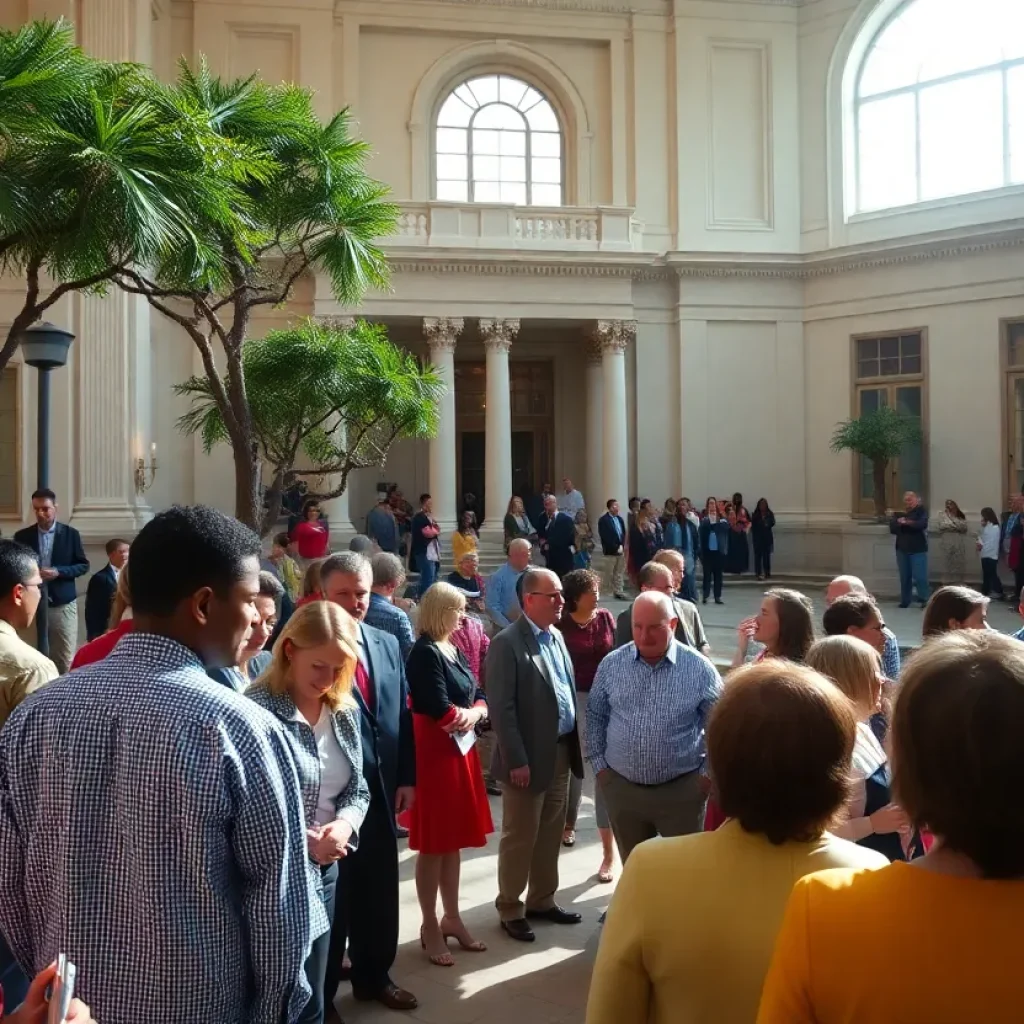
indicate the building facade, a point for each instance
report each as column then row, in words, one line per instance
column 659, row 246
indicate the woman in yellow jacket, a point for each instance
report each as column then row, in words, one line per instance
column 690, row 931
column 937, row 940
column 465, row 539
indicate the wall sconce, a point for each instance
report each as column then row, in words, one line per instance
column 145, row 475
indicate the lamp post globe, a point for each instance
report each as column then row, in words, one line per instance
column 45, row 345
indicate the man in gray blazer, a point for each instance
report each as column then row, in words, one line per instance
column 531, row 696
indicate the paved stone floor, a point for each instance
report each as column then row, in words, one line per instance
column 542, row 983
column 547, row 982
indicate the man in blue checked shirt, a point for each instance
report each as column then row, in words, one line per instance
column 151, row 821
column 500, row 595
column 646, row 718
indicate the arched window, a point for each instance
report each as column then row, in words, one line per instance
column 939, row 103
column 498, row 140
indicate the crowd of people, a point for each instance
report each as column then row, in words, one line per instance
column 215, row 792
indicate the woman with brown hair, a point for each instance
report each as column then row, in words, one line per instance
column 952, row 526
column 779, row 744
column 872, row 820
column 951, row 608
column 785, row 625
column 589, row 634
column 955, row 915
column 308, row 688
column 517, row 522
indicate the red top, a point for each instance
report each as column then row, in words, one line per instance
column 311, row 537
column 588, row 644
column 98, row 649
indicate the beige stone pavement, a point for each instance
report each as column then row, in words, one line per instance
column 542, row 983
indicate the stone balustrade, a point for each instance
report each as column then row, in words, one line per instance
column 501, row 226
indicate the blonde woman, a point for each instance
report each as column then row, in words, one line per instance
column 872, row 819
column 311, row 583
column 120, row 623
column 308, row 687
column 451, row 812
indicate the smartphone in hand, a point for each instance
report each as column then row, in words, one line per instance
column 62, row 992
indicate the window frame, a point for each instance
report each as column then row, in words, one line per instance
column 1009, row 372
column 14, row 369
column 865, row 508
column 1008, row 186
column 545, row 93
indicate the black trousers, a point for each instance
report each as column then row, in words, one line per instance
column 316, row 962
column 990, row 581
column 762, row 561
column 366, row 907
column 712, row 562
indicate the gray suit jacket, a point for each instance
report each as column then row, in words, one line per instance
column 689, row 631
column 523, row 708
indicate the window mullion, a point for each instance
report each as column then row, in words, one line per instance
column 1006, row 127
column 528, row 150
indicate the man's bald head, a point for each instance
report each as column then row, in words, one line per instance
column 674, row 562
column 843, row 585
column 654, row 623
column 542, row 597
column 519, row 554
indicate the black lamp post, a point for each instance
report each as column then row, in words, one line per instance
column 45, row 347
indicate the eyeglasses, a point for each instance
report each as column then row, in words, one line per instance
column 39, row 584
column 556, row 594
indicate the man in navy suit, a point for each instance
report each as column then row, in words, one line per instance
column 100, row 593
column 611, row 529
column 366, row 910
column 61, row 561
column 557, row 534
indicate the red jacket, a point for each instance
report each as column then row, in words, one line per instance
column 312, row 538
column 98, row 649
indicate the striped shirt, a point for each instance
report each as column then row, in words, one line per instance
column 151, row 827
column 646, row 722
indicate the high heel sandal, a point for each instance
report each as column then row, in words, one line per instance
column 473, row 946
column 444, row 959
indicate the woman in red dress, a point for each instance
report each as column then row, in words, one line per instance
column 310, row 536
column 451, row 812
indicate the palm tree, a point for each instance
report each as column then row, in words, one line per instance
column 94, row 175
column 881, row 436
column 338, row 398
column 304, row 203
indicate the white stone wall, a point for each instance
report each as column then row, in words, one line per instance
column 720, row 125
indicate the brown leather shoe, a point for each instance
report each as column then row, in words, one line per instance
column 393, row 997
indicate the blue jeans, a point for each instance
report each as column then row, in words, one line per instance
column 428, row 574
column 316, row 962
column 689, row 592
column 913, row 575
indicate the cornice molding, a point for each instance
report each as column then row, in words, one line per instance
column 577, row 6
column 673, row 265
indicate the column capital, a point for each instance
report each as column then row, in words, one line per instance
column 442, row 332
column 499, row 334
column 593, row 350
column 333, row 322
column 614, row 335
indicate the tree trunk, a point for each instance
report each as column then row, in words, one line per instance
column 878, row 467
column 248, row 506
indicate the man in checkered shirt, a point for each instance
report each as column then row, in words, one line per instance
column 150, row 819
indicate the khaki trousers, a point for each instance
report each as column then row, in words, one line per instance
column 531, row 839
column 62, row 623
column 639, row 813
column 613, row 568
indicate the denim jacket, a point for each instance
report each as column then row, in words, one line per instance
column 354, row 799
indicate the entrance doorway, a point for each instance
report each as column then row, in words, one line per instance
column 532, row 405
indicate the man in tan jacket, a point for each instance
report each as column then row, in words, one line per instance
column 22, row 668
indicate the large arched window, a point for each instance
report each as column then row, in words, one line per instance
column 939, row 103
column 498, row 140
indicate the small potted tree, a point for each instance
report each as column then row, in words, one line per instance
column 880, row 436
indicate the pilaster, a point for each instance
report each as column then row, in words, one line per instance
column 441, row 334
column 498, row 336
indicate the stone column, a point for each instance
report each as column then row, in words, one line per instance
column 441, row 334
column 498, row 336
column 337, row 510
column 594, row 489
column 112, row 372
column 613, row 336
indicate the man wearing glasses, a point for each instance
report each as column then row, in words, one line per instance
column 531, row 694
column 22, row 668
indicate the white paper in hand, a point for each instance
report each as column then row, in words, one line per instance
column 465, row 741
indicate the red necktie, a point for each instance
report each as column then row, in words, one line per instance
column 363, row 684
